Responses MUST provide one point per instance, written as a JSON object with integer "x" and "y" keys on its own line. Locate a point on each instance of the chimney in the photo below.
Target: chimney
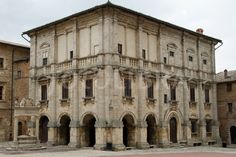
{"x": 225, "y": 73}
{"x": 200, "y": 30}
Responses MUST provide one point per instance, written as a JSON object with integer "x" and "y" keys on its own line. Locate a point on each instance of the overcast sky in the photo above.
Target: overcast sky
{"x": 216, "y": 17}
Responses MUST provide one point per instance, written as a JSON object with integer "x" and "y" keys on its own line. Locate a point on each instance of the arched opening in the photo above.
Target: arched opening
{"x": 233, "y": 134}
{"x": 64, "y": 130}
{"x": 128, "y": 131}
{"x": 89, "y": 130}
{"x": 20, "y": 128}
{"x": 43, "y": 129}
{"x": 173, "y": 130}
{"x": 151, "y": 130}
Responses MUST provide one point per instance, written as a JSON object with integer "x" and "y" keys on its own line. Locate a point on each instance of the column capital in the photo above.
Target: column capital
{"x": 52, "y": 124}
{"x": 117, "y": 124}
{"x": 75, "y": 124}
{"x": 100, "y": 124}
{"x": 142, "y": 124}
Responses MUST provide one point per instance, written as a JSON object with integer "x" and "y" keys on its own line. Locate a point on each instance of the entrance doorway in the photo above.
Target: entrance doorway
{"x": 89, "y": 130}
{"x": 128, "y": 131}
{"x": 64, "y": 130}
{"x": 43, "y": 129}
{"x": 151, "y": 130}
{"x": 173, "y": 130}
{"x": 20, "y": 128}
{"x": 233, "y": 134}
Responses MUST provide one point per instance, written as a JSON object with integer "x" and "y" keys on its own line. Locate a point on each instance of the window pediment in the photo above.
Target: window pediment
{"x": 172, "y": 46}
{"x": 44, "y": 45}
{"x": 43, "y": 80}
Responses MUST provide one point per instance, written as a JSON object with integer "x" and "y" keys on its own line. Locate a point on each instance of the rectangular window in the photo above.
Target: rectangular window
{"x": 207, "y": 95}
{"x": 45, "y": 61}
{"x": 1, "y": 62}
{"x": 18, "y": 74}
{"x": 120, "y": 49}
{"x": 230, "y": 107}
{"x": 190, "y": 58}
{"x": 144, "y": 54}
{"x": 150, "y": 89}
{"x": 89, "y": 88}
{"x": 208, "y": 126}
{"x": 193, "y": 126}
{"x": 165, "y": 60}
{"x": 1, "y": 92}
{"x": 165, "y": 98}
{"x": 229, "y": 87}
{"x": 65, "y": 90}
{"x": 192, "y": 94}
{"x": 204, "y": 61}
{"x": 127, "y": 84}
{"x": 71, "y": 55}
{"x": 172, "y": 92}
{"x": 172, "y": 54}
{"x": 44, "y": 92}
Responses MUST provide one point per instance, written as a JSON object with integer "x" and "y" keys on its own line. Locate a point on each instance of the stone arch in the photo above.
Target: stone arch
{"x": 88, "y": 130}
{"x": 233, "y": 134}
{"x": 150, "y": 113}
{"x": 43, "y": 129}
{"x": 88, "y": 113}
{"x": 151, "y": 129}
{"x": 64, "y": 129}
{"x": 128, "y": 113}
{"x": 61, "y": 115}
{"x": 129, "y": 130}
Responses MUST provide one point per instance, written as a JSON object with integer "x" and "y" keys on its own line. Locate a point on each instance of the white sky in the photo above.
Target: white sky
{"x": 216, "y": 17}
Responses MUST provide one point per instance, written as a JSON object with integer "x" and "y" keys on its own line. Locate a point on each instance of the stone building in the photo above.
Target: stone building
{"x": 113, "y": 77}
{"x": 226, "y": 101}
{"x": 11, "y": 57}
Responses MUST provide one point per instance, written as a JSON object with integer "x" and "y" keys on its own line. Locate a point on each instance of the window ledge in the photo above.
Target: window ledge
{"x": 65, "y": 100}
{"x": 89, "y": 100}
{"x": 127, "y": 99}
{"x": 151, "y": 100}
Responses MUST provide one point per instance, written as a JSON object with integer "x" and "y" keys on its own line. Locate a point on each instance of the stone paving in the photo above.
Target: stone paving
{"x": 63, "y": 151}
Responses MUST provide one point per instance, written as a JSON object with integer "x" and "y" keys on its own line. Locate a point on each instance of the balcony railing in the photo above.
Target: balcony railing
{"x": 87, "y": 61}
{"x": 64, "y": 66}
{"x": 128, "y": 61}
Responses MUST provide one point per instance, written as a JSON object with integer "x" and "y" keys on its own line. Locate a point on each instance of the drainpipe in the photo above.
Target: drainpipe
{"x": 12, "y": 91}
{"x": 221, "y": 43}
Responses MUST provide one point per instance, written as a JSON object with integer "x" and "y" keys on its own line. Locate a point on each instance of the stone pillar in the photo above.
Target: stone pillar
{"x": 31, "y": 126}
{"x": 37, "y": 128}
{"x": 117, "y": 135}
{"x": 74, "y": 134}
{"x": 52, "y": 133}
{"x": 100, "y": 135}
{"x": 163, "y": 134}
{"x": 142, "y": 135}
{"x": 15, "y": 129}
{"x": 202, "y": 125}
{"x": 201, "y": 110}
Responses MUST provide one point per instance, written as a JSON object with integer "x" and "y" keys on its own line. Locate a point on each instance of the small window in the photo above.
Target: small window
{"x": 190, "y": 58}
{"x": 18, "y": 74}
{"x": 229, "y": 87}
{"x": 127, "y": 84}
{"x": 204, "y": 61}
{"x": 144, "y": 54}
{"x": 193, "y": 125}
{"x": 150, "y": 89}
{"x": 208, "y": 126}
{"x": 165, "y": 98}
{"x": 1, "y": 92}
{"x": 1, "y": 62}
{"x": 207, "y": 96}
{"x": 44, "y": 92}
{"x": 120, "y": 49}
{"x": 192, "y": 94}
{"x": 65, "y": 90}
{"x": 89, "y": 88}
{"x": 230, "y": 107}
{"x": 45, "y": 61}
{"x": 165, "y": 60}
{"x": 71, "y": 55}
{"x": 172, "y": 92}
{"x": 172, "y": 54}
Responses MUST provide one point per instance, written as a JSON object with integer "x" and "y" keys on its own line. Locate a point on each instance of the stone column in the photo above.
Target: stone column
{"x": 117, "y": 135}
{"x": 142, "y": 135}
{"x": 100, "y": 135}
{"x": 52, "y": 133}
{"x": 163, "y": 134}
{"x": 37, "y": 128}
{"x": 74, "y": 134}
{"x": 15, "y": 129}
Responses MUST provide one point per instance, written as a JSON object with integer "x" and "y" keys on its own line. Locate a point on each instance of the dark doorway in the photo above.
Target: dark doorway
{"x": 128, "y": 131}
{"x": 173, "y": 130}
{"x": 20, "y": 128}
{"x": 43, "y": 129}
{"x": 64, "y": 130}
{"x": 89, "y": 130}
{"x": 151, "y": 130}
{"x": 233, "y": 134}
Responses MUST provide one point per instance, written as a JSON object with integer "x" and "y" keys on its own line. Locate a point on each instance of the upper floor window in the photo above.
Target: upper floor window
{"x": 192, "y": 94}
{"x": 65, "y": 90}
{"x": 127, "y": 84}
{"x": 120, "y": 49}
{"x": 207, "y": 95}
{"x": 230, "y": 107}
{"x": 190, "y": 58}
{"x": 165, "y": 60}
{"x": 208, "y": 126}
{"x": 150, "y": 89}
{"x": 144, "y": 54}
{"x": 19, "y": 74}
{"x": 229, "y": 87}
{"x": 165, "y": 98}
{"x": 1, "y": 92}
{"x": 193, "y": 125}
{"x": 205, "y": 61}
{"x": 172, "y": 92}
{"x": 89, "y": 88}
{"x": 172, "y": 53}
{"x": 44, "y": 92}
{"x": 45, "y": 58}
{"x": 71, "y": 55}
{"x": 1, "y": 63}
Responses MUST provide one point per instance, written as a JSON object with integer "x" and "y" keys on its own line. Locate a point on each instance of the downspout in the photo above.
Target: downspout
{"x": 221, "y": 43}
{"x": 25, "y": 38}
{"x": 12, "y": 91}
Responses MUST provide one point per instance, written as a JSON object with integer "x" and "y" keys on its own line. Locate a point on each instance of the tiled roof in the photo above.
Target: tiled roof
{"x": 231, "y": 76}
{"x": 13, "y": 44}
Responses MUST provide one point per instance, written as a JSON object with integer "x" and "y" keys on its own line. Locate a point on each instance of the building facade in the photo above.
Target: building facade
{"x": 113, "y": 77}
{"x": 9, "y": 53}
{"x": 226, "y": 101}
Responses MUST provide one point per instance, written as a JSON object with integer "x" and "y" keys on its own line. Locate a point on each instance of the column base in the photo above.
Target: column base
{"x": 142, "y": 145}
{"x": 73, "y": 145}
{"x": 118, "y": 147}
{"x": 99, "y": 146}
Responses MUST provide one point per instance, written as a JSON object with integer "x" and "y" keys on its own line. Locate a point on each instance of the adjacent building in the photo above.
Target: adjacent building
{"x": 13, "y": 83}
{"x": 226, "y": 100}
{"x": 113, "y": 77}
